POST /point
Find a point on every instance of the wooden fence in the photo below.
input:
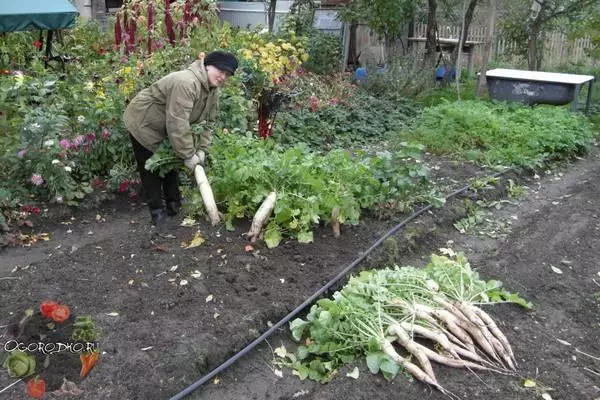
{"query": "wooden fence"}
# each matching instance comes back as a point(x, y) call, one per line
point(558, 49)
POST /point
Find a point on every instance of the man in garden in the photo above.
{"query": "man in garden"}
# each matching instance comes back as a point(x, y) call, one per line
point(167, 109)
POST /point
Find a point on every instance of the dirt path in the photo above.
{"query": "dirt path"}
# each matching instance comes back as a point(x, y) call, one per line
point(167, 335)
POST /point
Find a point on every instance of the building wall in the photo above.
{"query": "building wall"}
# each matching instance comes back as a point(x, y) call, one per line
point(91, 9)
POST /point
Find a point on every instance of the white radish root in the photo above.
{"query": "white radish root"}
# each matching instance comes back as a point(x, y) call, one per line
point(207, 195)
point(411, 346)
point(495, 331)
point(473, 330)
point(467, 310)
point(435, 336)
point(450, 322)
point(415, 371)
point(261, 216)
point(335, 222)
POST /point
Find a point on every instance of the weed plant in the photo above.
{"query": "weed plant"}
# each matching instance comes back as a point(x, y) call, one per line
point(500, 133)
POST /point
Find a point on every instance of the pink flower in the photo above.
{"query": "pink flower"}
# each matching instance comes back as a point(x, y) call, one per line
point(21, 153)
point(64, 143)
point(91, 136)
point(37, 179)
point(79, 140)
point(105, 134)
point(333, 102)
point(73, 146)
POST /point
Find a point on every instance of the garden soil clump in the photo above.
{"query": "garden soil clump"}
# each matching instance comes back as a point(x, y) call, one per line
point(169, 314)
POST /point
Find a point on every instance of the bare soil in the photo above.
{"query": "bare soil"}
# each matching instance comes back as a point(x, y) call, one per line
point(168, 335)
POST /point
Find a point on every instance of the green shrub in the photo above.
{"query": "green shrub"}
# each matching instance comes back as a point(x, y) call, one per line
point(324, 52)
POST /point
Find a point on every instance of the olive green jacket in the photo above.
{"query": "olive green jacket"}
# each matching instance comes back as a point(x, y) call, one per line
point(168, 108)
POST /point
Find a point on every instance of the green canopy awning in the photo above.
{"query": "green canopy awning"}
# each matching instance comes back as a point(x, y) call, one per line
point(23, 15)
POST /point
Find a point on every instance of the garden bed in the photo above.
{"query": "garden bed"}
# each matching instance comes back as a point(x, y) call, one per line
point(109, 260)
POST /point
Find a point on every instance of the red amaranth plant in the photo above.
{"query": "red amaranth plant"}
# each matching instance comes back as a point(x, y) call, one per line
point(150, 25)
point(169, 23)
point(118, 32)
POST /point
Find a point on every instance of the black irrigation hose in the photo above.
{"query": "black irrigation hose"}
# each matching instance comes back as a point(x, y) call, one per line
point(314, 297)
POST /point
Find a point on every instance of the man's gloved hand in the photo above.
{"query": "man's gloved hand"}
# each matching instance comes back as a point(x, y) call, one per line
point(202, 156)
point(192, 162)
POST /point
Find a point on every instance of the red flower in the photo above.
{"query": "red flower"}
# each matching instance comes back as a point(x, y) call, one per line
point(47, 307)
point(36, 387)
point(38, 45)
point(60, 314)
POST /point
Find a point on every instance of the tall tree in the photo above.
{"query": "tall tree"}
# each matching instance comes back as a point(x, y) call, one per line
point(431, 36)
point(526, 23)
point(466, 24)
point(487, 49)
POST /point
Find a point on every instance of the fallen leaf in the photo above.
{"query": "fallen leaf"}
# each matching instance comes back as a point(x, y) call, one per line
point(113, 314)
point(448, 252)
point(216, 381)
point(528, 383)
point(196, 274)
point(196, 241)
point(278, 372)
point(248, 248)
point(183, 282)
point(209, 298)
point(280, 351)
point(187, 221)
point(161, 247)
point(354, 374)
point(68, 388)
point(216, 315)
point(563, 342)
point(174, 268)
point(147, 348)
point(546, 396)
point(130, 282)
point(556, 270)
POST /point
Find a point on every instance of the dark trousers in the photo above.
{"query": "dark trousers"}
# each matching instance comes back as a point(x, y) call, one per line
point(154, 185)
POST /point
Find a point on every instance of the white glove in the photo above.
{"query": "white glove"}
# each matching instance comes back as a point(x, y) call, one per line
point(192, 162)
point(202, 156)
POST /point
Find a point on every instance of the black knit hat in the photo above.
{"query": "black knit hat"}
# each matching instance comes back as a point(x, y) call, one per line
point(222, 60)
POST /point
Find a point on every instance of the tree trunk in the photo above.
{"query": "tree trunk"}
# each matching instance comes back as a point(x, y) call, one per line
point(271, 14)
point(352, 55)
point(431, 43)
point(533, 49)
point(487, 50)
point(468, 18)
